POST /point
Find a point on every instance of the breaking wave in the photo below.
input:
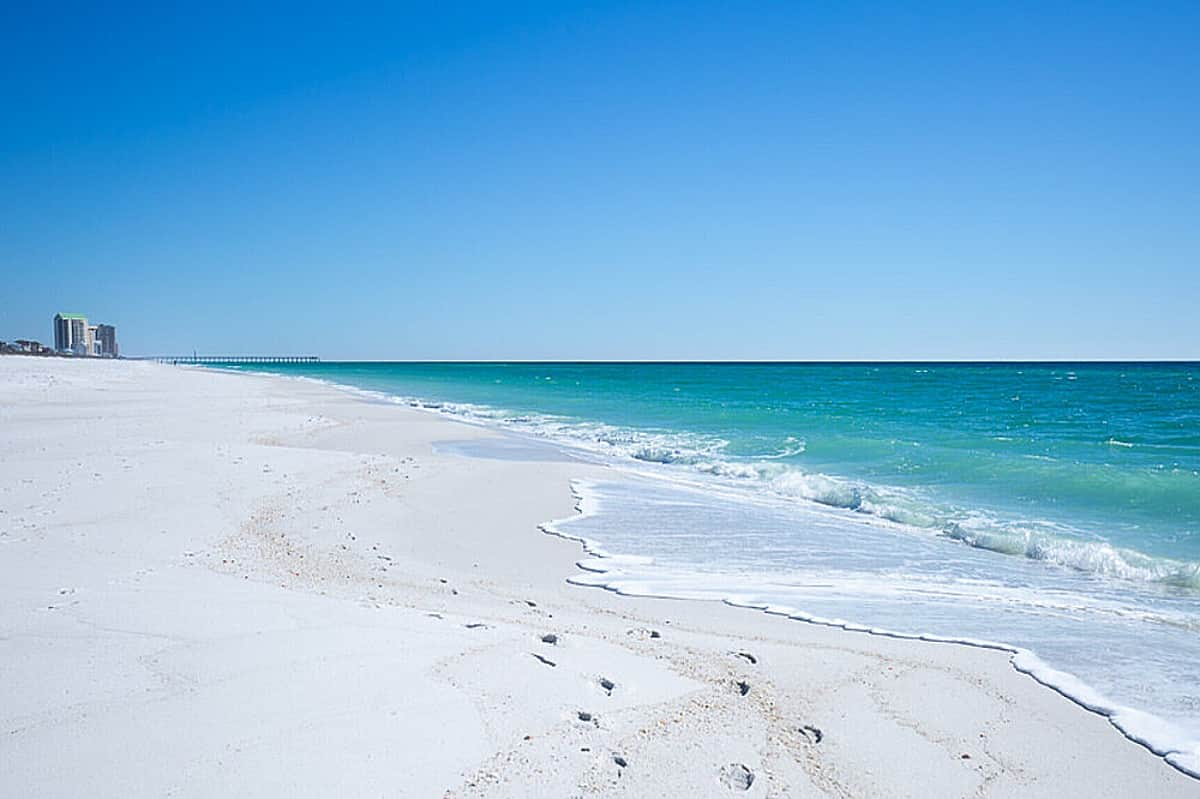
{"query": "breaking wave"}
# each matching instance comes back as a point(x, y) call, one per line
point(708, 456)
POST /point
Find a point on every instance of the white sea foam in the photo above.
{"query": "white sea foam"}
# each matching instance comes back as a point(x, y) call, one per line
point(1178, 744)
point(1039, 541)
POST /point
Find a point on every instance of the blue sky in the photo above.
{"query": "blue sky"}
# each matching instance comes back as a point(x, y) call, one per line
point(607, 180)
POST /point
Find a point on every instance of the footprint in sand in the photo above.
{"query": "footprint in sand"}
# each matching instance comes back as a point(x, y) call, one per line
point(812, 733)
point(737, 777)
point(643, 633)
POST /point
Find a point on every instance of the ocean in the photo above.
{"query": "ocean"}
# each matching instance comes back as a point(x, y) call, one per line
point(1050, 510)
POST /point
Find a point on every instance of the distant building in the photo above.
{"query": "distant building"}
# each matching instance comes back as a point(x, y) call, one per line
point(106, 341)
point(71, 333)
point(24, 346)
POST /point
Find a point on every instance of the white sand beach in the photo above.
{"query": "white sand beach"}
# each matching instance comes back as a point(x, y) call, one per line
point(218, 584)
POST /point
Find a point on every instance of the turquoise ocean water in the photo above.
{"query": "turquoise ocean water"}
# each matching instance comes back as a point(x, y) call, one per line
point(1053, 509)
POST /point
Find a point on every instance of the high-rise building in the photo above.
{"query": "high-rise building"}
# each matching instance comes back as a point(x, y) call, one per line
point(106, 340)
point(70, 333)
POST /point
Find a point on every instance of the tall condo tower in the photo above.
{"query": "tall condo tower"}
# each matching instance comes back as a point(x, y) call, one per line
point(71, 333)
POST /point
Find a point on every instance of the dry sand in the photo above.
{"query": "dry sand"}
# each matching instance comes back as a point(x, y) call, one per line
point(225, 584)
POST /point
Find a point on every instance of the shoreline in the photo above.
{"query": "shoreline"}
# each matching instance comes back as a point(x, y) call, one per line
point(693, 461)
point(1162, 738)
point(337, 528)
point(1136, 726)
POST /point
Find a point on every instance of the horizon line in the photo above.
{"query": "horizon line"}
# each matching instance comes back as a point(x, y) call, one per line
point(718, 361)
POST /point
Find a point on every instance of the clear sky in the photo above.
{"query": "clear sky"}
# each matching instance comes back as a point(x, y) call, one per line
point(607, 180)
